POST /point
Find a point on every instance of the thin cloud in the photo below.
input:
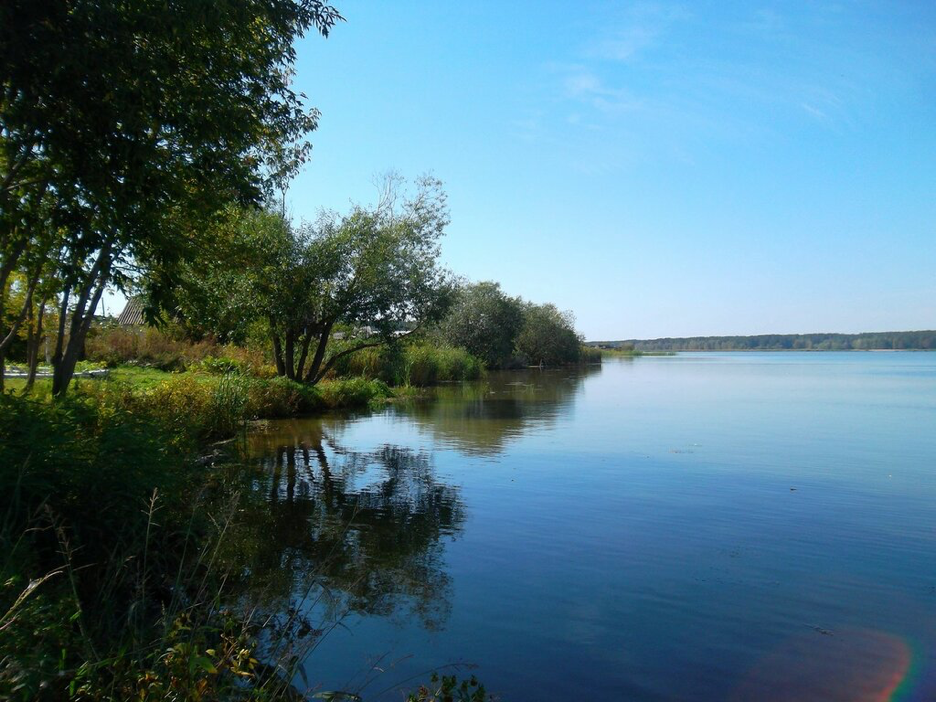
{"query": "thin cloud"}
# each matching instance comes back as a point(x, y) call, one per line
point(625, 44)
point(639, 29)
point(588, 88)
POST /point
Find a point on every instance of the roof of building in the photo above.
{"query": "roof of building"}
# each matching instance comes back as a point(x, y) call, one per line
point(132, 314)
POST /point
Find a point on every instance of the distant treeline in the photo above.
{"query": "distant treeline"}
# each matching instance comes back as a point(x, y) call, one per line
point(906, 340)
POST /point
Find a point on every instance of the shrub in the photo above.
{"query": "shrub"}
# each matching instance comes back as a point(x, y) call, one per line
point(281, 397)
point(548, 336)
point(351, 392)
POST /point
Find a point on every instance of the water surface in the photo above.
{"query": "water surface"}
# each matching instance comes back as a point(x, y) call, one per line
point(747, 526)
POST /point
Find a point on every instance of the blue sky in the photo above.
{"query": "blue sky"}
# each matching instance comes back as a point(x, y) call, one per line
point(660, 169)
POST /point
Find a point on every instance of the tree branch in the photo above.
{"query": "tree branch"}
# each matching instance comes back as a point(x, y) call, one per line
point(330, 363)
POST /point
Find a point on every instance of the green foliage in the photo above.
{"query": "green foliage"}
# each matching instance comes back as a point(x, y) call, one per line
point(108, 534)
point(80, 477)
point(548, 336)
point(374, 272)
point(447, 688)
point(352, 392)
point(427, 365)
point(590, 355)
point(221, 365)
point(108, 590)
point(484, 321)
point(113, 159)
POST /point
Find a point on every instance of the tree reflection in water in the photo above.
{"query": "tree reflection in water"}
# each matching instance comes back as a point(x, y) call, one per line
point(364, 530)
point(482, 418)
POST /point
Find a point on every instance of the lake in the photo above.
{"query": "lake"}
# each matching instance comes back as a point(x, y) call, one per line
point(707, 526)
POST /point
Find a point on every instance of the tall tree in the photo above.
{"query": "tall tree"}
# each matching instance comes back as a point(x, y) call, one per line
point(373, 271)
point(137, 121)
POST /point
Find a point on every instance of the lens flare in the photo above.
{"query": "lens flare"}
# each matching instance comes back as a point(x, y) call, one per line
point(847, 665)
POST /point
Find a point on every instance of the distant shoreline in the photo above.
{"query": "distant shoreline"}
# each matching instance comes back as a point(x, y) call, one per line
point(869, 341)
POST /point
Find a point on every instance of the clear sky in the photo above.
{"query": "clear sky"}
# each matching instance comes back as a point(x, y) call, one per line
point(661, 169)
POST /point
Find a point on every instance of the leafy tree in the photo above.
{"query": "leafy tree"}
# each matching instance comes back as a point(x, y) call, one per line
point(484, 321)
point(373, 272)
point(548, 336)
point(225, 288)
point(124, 125)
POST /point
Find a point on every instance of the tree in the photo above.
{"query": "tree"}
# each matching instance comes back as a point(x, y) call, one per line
point(124, 126)
point(373, 272)
point(485, 322)
point(548, 336)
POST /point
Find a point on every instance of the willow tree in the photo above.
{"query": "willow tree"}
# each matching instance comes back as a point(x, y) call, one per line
point(125, 125)
point(374, 271)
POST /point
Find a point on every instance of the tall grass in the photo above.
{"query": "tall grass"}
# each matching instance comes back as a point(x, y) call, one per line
point(165, 350)
point(418, 364)
point(590, 355)
point(114, 553)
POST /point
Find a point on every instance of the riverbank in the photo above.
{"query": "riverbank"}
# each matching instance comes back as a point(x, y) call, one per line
point(118, 569)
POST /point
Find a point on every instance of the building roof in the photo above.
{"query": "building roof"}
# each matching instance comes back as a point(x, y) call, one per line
point(132, 314)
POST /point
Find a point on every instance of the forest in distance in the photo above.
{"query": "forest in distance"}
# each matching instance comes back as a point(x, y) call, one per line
point(868, 341)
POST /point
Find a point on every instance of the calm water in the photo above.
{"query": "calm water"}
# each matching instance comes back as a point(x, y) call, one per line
point(698, 527)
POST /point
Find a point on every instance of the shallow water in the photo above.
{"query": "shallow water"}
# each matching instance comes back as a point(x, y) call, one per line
point(701, 527)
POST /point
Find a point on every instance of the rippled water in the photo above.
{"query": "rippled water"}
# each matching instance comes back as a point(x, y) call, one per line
point(697, 527)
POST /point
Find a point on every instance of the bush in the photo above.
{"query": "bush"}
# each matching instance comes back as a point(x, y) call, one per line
point(548, 337)
point(109, 585)
point(351, 392)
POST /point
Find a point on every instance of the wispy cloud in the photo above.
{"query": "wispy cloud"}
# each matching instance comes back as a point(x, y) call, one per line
point(815, 112)
point(637, 29)
point(625, 43)
point(585, 86)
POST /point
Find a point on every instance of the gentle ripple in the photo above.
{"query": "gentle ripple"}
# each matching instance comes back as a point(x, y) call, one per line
point(708, 526)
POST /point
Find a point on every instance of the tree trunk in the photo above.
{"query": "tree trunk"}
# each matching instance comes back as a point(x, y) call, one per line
point(83, 315)
point(63, 315)
point(32, 353)
point(306, 342)
point(277, 352)
point(313, 375)
point(290, 355)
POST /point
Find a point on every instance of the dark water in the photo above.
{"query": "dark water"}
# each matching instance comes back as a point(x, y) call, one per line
point(699, 527)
